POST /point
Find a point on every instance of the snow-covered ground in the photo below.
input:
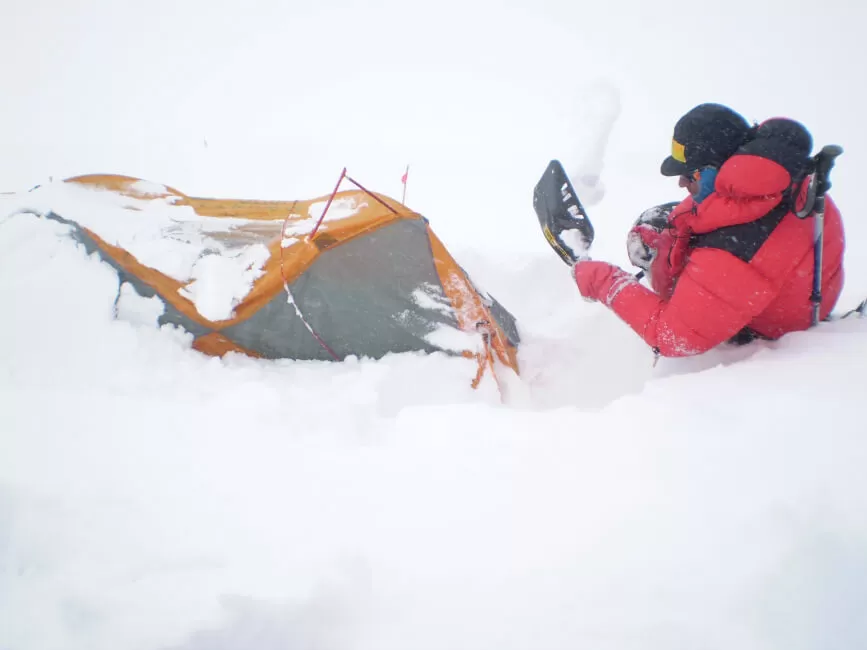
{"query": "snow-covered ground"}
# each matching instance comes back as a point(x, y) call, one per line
point(152, 498)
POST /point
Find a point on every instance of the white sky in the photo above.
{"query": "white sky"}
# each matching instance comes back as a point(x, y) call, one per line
point(476, 96)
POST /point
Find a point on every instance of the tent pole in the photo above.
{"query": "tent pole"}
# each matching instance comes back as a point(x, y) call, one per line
point(327, 205)
point(372, 195)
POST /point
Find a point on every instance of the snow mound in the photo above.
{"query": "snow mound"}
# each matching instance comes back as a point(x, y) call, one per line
point(153, 498)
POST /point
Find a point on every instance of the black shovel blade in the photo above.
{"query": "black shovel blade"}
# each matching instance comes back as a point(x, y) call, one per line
point(560, 211)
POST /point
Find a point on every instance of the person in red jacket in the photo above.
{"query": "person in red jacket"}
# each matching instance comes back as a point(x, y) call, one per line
point(732, 262)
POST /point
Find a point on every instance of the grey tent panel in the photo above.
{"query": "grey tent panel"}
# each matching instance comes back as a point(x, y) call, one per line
point(360, 298)
point(175, 317)
point(276, 332)
point(506, 321)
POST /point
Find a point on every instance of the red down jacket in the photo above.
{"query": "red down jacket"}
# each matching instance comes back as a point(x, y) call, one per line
point(740, 259)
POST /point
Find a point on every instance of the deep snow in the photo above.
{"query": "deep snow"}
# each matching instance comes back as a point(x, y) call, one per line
point(154, 498)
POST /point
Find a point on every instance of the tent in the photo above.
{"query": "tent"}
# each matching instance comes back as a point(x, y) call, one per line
point(351, 273)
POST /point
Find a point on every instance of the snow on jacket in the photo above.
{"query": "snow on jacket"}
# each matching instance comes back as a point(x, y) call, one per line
point(741, 258)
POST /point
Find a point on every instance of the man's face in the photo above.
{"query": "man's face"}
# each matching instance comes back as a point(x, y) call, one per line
point(690, 182)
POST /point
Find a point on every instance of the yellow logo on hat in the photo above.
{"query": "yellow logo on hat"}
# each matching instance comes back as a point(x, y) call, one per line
point(677, 151)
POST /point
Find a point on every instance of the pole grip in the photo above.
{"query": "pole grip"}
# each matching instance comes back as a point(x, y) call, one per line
point(824, 163)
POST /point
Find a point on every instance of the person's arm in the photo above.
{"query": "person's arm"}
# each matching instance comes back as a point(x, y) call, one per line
point(716, 296)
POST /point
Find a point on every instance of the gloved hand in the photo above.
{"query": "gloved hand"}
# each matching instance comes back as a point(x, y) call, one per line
point(653, 246)
point(645, 244)
point(646, 237)
point(600, 280)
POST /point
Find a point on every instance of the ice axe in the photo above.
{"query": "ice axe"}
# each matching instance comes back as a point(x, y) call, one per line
point(815, 206)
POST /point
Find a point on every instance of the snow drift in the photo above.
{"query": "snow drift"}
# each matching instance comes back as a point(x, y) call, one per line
point(153, 497)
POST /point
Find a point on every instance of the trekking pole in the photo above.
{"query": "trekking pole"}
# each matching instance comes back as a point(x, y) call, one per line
point(815, 205)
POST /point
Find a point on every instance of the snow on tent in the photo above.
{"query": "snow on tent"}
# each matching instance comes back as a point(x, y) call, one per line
point(352, 273)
